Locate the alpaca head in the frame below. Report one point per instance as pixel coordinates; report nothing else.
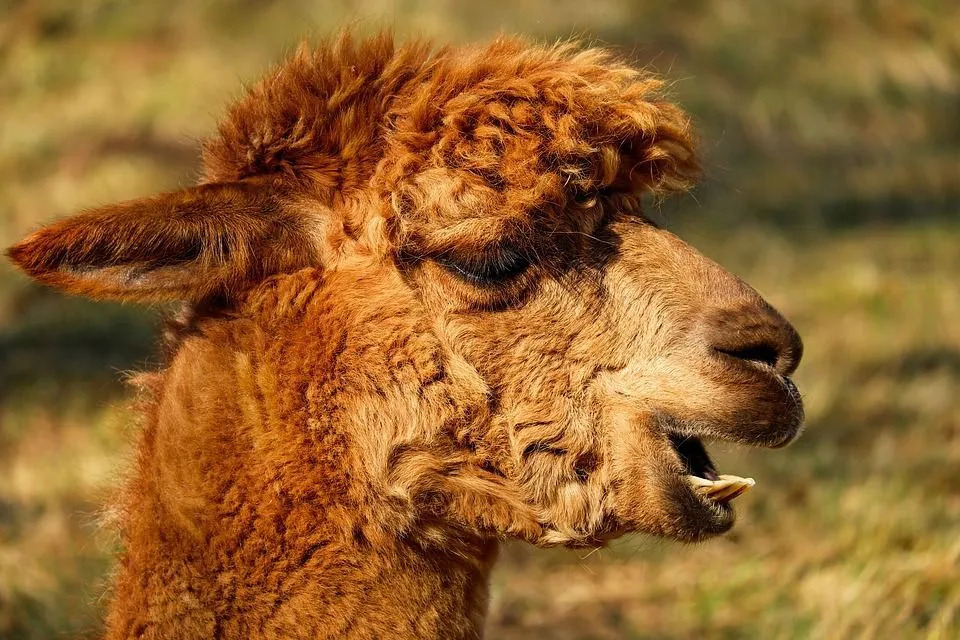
(529, 354)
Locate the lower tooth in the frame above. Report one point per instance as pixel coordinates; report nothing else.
(734, 494)
(724, 489)
(729, 493)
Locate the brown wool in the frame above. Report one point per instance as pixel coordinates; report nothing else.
(423, 313)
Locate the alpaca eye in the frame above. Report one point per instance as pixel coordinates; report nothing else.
(490, 269)
(586, 200)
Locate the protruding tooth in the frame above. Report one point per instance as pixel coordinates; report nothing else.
(723, 489)
(741, 485)
(733, 494)
(749, 481)
(716, 486)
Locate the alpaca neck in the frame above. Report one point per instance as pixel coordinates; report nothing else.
(291, 575)
(237, 525)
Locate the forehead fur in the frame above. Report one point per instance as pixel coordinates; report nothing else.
(504, 129)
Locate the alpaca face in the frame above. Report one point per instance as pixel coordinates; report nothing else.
(478, 210)
(609, 349)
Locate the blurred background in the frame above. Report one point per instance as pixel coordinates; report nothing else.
(831, 136)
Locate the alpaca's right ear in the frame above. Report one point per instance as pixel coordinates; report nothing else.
(185, 245)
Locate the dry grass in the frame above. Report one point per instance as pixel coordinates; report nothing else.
(832, 124)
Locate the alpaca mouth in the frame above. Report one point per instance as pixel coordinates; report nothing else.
(702, 474)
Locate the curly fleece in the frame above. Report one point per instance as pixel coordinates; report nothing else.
(423, 314)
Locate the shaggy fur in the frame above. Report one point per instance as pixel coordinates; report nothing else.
(424, 312)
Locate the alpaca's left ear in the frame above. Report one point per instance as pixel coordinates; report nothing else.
(185, 245)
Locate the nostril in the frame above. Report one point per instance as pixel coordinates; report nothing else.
(766, 354)
(755, 335)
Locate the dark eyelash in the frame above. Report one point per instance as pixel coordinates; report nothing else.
(492, 269)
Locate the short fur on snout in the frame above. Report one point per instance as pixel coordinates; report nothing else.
(423, 312)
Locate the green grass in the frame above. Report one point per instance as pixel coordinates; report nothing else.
(833, 156)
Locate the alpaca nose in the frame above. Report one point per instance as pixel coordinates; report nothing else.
(755, 333)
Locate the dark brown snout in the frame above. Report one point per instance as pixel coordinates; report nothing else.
(753, 333)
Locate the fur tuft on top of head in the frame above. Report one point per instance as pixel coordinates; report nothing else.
(318, 117)
(509, 126)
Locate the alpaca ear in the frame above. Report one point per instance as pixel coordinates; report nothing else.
(184, 245)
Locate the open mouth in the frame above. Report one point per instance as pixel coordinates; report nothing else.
(696, 499)
(702, 474)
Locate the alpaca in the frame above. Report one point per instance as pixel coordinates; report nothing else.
(423, 313)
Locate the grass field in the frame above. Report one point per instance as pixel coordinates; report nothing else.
(833, 185)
